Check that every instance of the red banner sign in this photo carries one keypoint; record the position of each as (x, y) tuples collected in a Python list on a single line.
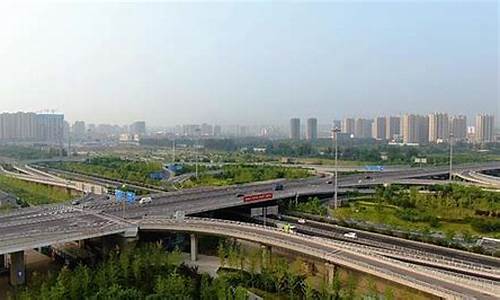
[(258, 197)]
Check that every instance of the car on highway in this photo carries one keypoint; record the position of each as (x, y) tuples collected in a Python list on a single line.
[(76, 202), (279, 187), (329, 182), (351, 235), (301, 221), (239, 195), (145, 200)]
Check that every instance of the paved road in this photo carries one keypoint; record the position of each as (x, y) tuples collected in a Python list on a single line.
[(389, 242), (47, 225), (51, 224), (333, 252), (488, 268)]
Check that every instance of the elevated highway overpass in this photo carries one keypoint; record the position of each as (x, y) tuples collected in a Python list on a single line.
[(72, 224), (478, 178), (423, 279), (36, 176), (54, 224)]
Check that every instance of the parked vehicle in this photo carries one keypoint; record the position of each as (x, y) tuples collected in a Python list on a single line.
[(301, 221)]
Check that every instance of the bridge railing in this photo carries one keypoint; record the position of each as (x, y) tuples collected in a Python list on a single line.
[(334, 255)]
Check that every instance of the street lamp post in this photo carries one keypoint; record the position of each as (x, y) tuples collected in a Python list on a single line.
[(451, 156), (335, 132), (173, 150), (196, 150)]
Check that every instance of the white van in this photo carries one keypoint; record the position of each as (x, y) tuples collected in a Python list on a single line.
[(351, 235), (145, 200)]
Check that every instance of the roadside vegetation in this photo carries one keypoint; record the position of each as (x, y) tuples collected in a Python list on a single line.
[(149, 272), (115, 168), (450, 215), (452, 209), (32, 193), (27, 153), (240, 174), (351, 151)]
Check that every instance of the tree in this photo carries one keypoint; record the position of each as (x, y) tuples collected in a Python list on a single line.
[(207, 289), (336, 286), (174, 286), (388, 293), (351, 287), (221, 253)]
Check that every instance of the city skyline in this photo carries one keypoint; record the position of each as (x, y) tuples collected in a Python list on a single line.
[(184, 64)]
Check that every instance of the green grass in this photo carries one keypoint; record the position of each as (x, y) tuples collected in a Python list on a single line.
[(369, 213), (33, 193), (388, 216), (240, 174), (115, 168)]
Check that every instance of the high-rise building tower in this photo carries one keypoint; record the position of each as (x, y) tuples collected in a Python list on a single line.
[(51, 127), (312, 129), (217, 130), (484, 128), (438, 128), (379, 128), (295, 129), (393, 127), (458, 126), (363, 128), (19, 126), (138, 128), (207, 129), (337, 124), (348, 126), (78, 129), (415, 129)]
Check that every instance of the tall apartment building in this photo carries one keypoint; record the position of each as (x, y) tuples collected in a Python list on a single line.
[(438, 128), (337, 124), (19, 126), (312, 129), (138, 127), (458, 126), (207, 129), (415, 129), (51, 127), (31, 127), (78, 129), (348, 126), (295, 129), (379, 128), (484, 130), (217, 130), (393, 127), (363, 128)]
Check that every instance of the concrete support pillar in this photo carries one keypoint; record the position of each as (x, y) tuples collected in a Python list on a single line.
[(266, 255), (194, 247), (81, 244), (17, 268), (330, 272), (127, 243)]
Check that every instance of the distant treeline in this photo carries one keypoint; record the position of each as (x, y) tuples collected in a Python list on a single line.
[(349, 149)]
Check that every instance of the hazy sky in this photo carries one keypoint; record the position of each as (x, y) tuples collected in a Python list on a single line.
[(258, 62)]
